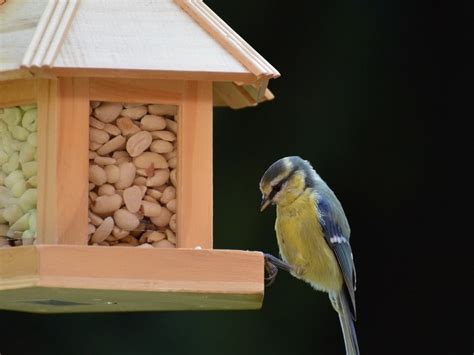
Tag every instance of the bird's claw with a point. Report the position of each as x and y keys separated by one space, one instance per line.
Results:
x=272 y=264
x=271 y=272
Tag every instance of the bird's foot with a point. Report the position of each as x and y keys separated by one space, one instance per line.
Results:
x=272 y=264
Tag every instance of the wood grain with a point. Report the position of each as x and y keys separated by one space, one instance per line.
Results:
x=47 y=213
x=17 y=92
x=18 y=21
x=132 y=279
x=72 y=170
x=136 y=90
x=19 y=267
x=155 y=35
x=194 y=190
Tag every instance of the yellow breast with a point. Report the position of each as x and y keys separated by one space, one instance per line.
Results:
x=302 y=244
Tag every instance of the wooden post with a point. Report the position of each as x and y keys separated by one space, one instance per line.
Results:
x=64 y=134
x=195 y=166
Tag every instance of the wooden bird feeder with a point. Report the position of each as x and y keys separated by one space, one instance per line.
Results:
x=106 y=142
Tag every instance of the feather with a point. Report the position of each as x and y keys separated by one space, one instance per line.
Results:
x=336 y=233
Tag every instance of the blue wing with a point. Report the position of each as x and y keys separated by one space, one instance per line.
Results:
x=337 y=232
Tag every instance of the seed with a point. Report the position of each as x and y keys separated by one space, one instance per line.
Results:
x=112 y=129
x=98 y=136
x=97 y=175
x=153 y=123
x=162 y=219
x=135 y=113
x=164 y=135
x=127 y=126
x=103 y=231
x=148 y=159
x=105 y=204
x=161 y=146
x=151 y=209
x=127 y=175
x=126 y=220
x=132 y=197
x=167 y=110
x=138 y=143
x=112 y=145
x=108 y=111
x=163 y=244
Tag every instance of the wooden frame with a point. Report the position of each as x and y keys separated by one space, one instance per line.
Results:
x=49 y=277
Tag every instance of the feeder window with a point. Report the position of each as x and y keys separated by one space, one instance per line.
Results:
x=18 y=175
x=132 y=174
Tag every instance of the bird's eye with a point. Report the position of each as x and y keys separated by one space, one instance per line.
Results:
x=277 y=187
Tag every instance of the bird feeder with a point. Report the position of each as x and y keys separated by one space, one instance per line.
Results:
x=106 y=156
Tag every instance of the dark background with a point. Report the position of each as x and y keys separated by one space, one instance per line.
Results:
x=360 y=82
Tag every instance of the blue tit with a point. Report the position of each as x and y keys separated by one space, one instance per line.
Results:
x=313 y=236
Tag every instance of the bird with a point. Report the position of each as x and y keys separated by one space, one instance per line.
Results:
x=313 y=236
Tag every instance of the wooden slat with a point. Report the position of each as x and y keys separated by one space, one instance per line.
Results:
x=194 y=191
x=130 y=279
x=147 y=74
x=18 y=267
x=17 y=92
x=72 y=170
x=46 y=91
x=136 y=90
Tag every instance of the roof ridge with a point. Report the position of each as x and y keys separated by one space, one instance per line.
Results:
x=228 y=38
x=50 y=33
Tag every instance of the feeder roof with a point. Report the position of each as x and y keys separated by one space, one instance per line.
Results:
x=168 y=39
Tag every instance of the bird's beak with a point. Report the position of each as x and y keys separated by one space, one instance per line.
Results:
x=265 y=202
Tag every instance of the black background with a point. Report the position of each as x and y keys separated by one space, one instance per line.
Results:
x=359 y=93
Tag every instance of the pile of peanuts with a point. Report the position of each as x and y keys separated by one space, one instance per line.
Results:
x=132 y=175
x=18 y=175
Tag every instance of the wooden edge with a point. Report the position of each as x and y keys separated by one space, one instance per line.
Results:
x=49 y=33
x=39 y=33
x=15 y=74
x=60 y=33
x=145 y=74
x=234 y=96
x=194 y=190
x=17 y=92
x=46 y=91
x=228 y=38
x=18 y=267
x=139 y=269
x=136 y=90
x=72 y=300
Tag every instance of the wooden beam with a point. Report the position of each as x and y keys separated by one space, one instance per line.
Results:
x=17 y=92
x=194 y=191
x=129 y=279
x=136 y=90
x=64 y=199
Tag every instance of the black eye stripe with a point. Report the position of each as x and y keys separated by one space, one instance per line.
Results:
x=277 y=187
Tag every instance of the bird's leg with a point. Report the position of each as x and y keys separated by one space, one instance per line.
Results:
x=272 y=264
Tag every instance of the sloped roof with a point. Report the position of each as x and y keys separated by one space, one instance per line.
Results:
x=172 y=39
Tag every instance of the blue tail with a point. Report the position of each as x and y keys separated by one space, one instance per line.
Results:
x=347 y=324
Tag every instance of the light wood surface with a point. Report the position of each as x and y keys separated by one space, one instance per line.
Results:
x=228 y=38
x=198 y=279
x=136 y=90
x=47 y=212
x=155 y=35
x=194 y=190
x=18 y=21
x=17 y=92
x=64 y=162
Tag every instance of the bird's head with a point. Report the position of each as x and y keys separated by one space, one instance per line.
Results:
x=285 y=180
